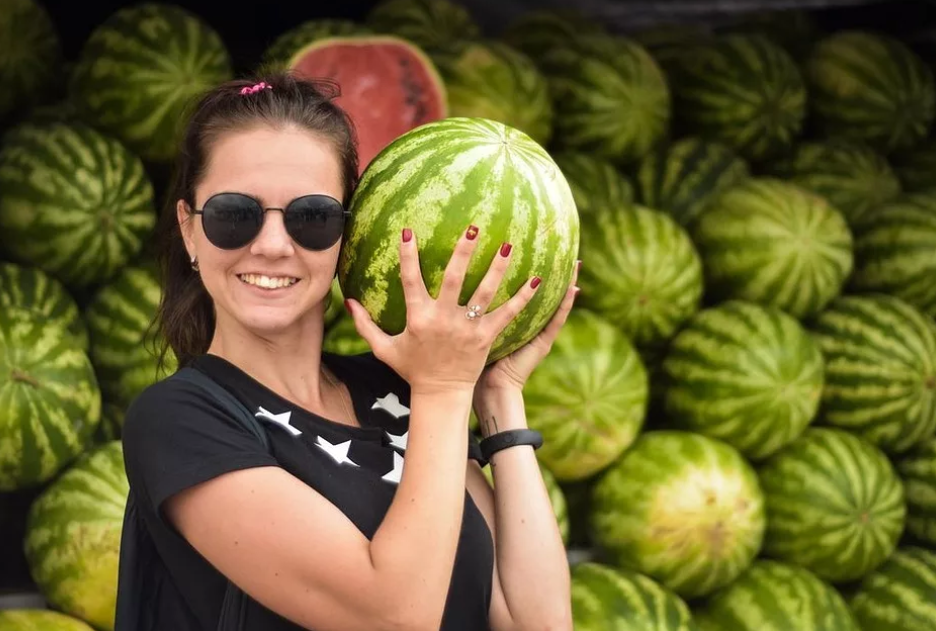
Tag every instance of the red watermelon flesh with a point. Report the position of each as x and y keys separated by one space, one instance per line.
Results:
x=388 y=86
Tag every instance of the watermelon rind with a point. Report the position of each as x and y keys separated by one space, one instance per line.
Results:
x=900 y=595
x=47 y=299
x=73 y=531
x=30 y=55
x=880 y=363
x=39 y=620
x=432 y=25
x=917 y=469
x=594 y=182
x=588 y=397
x=141 y=69
x=835 y=505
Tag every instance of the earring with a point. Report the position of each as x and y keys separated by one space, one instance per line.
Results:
x=195 y=263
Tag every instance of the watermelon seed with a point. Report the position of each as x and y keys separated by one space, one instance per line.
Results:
x=18 y=375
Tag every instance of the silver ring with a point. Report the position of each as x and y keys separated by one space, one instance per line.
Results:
x=474 y=312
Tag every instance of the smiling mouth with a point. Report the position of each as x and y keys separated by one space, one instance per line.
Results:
x=267 y=282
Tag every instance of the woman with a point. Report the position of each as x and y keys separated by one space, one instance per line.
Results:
x=366 y=512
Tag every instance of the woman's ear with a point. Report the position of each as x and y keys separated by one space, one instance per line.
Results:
x=184 y=218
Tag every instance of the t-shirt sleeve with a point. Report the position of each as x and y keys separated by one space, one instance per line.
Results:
x=176 y=436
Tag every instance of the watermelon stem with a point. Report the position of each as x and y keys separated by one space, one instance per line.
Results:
x=18 y=375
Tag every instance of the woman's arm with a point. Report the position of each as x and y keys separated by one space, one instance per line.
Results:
x=531 y=587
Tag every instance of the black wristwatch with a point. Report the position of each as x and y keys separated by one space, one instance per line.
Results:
x=510 y=438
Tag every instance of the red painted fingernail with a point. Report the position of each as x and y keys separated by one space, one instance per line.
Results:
x=578 y=266
x=347 y=305
x=472 y=233
x=407 y=235
x=535 y=282
x=505 y=249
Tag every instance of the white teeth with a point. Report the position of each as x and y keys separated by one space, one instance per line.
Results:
x=268 y=282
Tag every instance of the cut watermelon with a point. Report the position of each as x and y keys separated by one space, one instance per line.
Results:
x=388 y=85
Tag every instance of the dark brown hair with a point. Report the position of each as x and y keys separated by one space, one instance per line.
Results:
x=185 y=318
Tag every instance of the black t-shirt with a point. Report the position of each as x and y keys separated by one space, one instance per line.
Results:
x=176 y=436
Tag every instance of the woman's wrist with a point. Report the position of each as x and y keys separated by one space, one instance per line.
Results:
x=500 y=410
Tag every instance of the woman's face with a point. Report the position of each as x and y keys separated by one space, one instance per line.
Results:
x=274 y=166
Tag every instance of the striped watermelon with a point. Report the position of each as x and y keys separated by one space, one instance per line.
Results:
x=556 y=498
x=880 y=357
x=604 y=598
x=900 y=595
x=119 y=318
x=609 y=96
x=538 y=31
x=834 y=504
x=73 y=536
x=430 y=24
x=795 y=31
x=594 y=182
x=142 y=68
x=50 y=401
x=491 y=80
x=741 y=90
x=916 y=168
x=39 y=620
x=342 y=338
x=33 y=290
x=851 y=176
x=774 y=243
x=871 y=87
x=278 y=54
x=917 y=469
x=30 y=54
x=439 y=179
x=747 y=374
x=681 y=508
x=895 y=251
x=76 y=204
x=588 y=397
x=335 y=308
x=683 y=177
x=773 y=596
x=640 y=270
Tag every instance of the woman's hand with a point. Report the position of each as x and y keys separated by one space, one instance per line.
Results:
x=511 y=372
x=441 y=349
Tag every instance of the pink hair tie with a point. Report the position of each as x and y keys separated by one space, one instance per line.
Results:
x=263 y=85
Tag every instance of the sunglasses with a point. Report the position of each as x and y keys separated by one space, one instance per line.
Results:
x=232 y=220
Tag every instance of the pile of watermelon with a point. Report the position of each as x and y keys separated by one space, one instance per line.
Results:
x=740 y=414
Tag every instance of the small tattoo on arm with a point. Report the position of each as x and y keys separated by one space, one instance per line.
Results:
x=492 y=423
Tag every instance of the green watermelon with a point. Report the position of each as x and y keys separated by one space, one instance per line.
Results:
x=640 y=270
x=588 y=397
x=538 y=31
x=880 y=358
x=741 y=90
x=335 y=308
x=142 y=68
x=439 y=179
x=49 y=397
x=594 y=182
x=683 y=177
x=430 y=24
x=278 y=54
x=900 y=595
x=556 y=498
x=610 y=98
x=30 y=54
x=665 y=42
x=76 y=204
x=895 y=251
x=776 y=244
x=852 y=177
x=604 y=598
x=39 y=620
x=916 y=167
x=774 y=596
x=489 y=79
x=749 y=375
x=917 y=469
x=73 y=536
x=834 y=504
x=342 y=338
x=33 y=290
x=795 y=31
x=119 y=317
x=681 y=508
x=870 y=87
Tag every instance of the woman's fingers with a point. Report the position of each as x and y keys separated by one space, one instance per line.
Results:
x=504 y=314
x=491 y=282
x=414 y=287
x=454 y=277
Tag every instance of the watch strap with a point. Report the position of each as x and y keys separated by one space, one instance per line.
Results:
x=510 y=438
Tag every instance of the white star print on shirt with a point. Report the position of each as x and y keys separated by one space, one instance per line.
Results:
x=338 y=452
x=391 y=403
x=398 y=441
x=281 y=419
x=395 y=475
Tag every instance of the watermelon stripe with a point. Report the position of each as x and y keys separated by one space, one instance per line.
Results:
x=430 y=24
x=594 y=182
x=900 y=595
x=917 y=468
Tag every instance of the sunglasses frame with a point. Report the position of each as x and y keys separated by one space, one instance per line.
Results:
x=345 y=213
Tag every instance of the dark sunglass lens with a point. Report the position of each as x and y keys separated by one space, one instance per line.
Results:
x=232 y=221
x=315 y=221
